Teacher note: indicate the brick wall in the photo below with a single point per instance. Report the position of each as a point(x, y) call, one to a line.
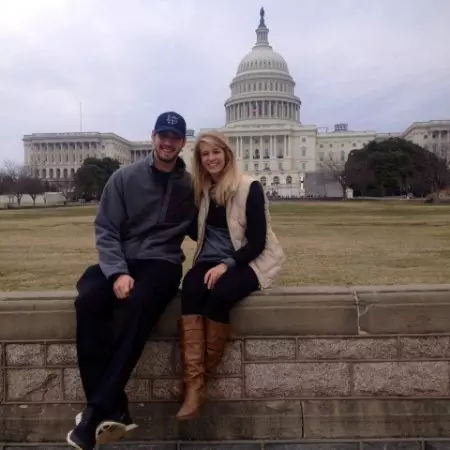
point(377, 367)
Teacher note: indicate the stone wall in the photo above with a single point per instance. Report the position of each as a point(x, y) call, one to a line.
point(348, 366)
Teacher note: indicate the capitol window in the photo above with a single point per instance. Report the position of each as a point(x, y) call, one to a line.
point(288, 179)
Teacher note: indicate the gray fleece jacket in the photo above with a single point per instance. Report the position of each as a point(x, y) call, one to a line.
point(143, 214)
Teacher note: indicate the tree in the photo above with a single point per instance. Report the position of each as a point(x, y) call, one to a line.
point(33, 187)
point(66, 187)
point(436, 174)
point(5, 183)
point(91, 177)
point(15, 178)
point(395, 167)
point(335, 171)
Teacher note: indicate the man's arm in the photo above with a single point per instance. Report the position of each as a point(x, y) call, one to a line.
point(192, 231)
point(108, 222)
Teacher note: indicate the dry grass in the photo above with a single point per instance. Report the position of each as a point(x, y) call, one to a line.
point(326, 244)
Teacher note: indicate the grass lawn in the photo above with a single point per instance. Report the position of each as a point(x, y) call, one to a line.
point(343, 243)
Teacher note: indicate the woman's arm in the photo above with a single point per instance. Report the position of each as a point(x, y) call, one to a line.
point(256, 228)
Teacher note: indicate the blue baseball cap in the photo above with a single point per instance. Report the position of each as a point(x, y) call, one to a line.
point(171, 121)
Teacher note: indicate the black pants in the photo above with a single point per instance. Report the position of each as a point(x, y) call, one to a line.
point(108, 349)
point(234, 285)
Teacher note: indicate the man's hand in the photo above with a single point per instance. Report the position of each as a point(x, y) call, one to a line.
point(214, 274)
point(123, 286)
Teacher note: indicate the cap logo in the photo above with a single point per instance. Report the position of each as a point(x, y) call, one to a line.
point(171, 119)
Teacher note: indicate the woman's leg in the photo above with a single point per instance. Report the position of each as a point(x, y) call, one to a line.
point(192, 339)
point(234, 285)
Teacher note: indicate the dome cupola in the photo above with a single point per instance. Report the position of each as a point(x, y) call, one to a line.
point(262, 87)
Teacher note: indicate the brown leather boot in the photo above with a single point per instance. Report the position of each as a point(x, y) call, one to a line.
point(192, 349)
point(216, 339)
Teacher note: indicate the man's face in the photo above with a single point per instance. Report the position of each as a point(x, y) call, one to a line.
point(167, 146)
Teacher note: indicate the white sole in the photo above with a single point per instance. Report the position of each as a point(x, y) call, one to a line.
point(109, 431)
point(70, 442)
point(130, 427)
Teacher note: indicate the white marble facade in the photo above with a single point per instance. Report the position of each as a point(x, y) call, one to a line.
point(263, 124)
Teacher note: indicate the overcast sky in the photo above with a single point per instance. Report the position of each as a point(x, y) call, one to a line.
point(378, 65)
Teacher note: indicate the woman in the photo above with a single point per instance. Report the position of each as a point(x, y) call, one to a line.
point(237, 253)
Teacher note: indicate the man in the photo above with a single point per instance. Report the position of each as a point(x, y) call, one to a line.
point(143, 217)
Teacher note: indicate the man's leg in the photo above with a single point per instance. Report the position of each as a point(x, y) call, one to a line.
point(233, 286)
point(94, 306)
point(192, 339)
point(156, 284)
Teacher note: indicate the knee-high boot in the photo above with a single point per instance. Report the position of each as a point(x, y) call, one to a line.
point(216, 339)
point(192, 350)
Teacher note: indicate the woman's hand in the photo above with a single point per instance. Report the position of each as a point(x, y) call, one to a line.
point(214, 274)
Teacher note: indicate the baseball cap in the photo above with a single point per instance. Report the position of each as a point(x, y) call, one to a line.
point(171, 121)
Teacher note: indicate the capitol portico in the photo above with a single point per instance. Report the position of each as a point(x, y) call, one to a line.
point(263, 125)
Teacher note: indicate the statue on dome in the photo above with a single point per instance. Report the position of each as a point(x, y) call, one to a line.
point(262, 14)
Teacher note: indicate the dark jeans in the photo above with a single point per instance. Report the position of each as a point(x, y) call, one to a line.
point(234, 285)
point(108, 349)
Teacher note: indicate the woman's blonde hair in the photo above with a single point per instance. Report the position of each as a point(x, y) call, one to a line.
point(229, 179)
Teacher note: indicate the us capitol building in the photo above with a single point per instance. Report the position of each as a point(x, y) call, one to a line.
point(263, 124)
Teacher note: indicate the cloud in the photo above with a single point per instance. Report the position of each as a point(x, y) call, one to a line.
point(377, 65)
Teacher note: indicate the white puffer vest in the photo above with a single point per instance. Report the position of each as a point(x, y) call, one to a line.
point(269, 263)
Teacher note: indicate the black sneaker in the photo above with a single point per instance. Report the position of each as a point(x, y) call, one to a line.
point(82, 437)
point(114, 428)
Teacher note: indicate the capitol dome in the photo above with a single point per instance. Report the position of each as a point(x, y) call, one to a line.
point(262, 58)
point(262, 87)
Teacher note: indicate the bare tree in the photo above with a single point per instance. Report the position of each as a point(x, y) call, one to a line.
point(335, 171)
point(33, 187)
point(17, 176)
point(67, 188)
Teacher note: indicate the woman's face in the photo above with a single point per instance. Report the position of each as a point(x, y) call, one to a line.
point(212, 159)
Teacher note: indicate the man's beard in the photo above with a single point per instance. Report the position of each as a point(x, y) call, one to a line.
point(167, 158)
